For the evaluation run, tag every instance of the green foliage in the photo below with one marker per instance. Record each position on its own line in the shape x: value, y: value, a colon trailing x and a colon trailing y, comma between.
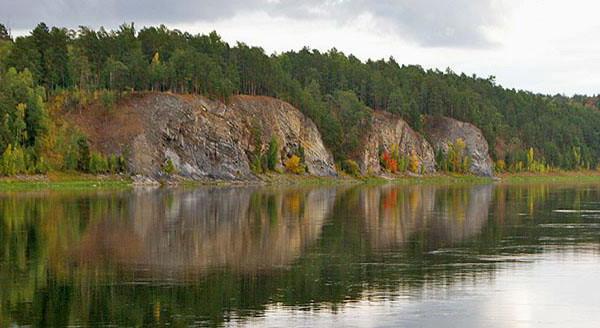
x: 454, y: 159
x: 169, y: 167
x: 13, y: 161
x: 4, y: 35
x: 351, y: 167
x: 98, y: 164
x: 83, y: 154
x: 273, y: 154
x: 108, y: 98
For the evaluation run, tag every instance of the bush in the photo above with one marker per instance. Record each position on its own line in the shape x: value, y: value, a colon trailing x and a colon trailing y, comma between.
x: 83, y: 154
x: 256, y: 165
x: 273, y: 154
x: 293, y: 165
x: 169, y: 167
x: 500, y: 166
x: 13, y: 161
x: 108, y: 98
x: 98, y: 164
x: 351, y: 167
x: 414, y: 162
x: 41, y: 167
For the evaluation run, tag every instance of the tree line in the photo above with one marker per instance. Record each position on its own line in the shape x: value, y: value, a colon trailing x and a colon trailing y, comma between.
x: 337, y: 91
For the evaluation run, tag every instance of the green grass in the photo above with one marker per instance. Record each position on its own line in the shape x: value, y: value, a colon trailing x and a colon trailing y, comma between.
x: 564, y: 177
x: 63, y: 181
x: 76, y: 181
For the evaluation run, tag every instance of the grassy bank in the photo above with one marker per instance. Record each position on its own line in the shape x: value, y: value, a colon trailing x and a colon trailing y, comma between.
x: 63, y: 181
x: 590, y: 176
x: 76, y: 181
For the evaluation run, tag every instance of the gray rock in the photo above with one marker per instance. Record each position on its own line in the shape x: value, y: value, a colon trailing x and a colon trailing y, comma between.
x: 443, y: 131
x: 387, y: 131
x: 204, y: 139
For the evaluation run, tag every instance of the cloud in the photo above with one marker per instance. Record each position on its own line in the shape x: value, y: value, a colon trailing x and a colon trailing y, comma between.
x: 431, y: 23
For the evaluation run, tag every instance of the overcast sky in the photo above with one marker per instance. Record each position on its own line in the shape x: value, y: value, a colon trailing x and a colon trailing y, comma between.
x: 547, y: 46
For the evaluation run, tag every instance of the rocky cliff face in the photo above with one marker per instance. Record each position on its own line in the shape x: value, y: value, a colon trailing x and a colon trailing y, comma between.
x: 275, y: 118
x: 204, y: 139
x: 388, y: 131
x: 443, y: 131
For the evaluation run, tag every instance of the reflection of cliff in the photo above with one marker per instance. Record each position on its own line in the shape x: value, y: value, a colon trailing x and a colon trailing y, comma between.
x: 243, y: 229
x: 395, y: 214
x: 462, y: 214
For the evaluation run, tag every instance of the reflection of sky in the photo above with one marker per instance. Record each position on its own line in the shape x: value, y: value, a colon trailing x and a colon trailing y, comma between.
x: 555, y: 290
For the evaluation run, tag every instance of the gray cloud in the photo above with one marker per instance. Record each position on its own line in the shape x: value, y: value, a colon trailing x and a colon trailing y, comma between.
x: 457, y: 23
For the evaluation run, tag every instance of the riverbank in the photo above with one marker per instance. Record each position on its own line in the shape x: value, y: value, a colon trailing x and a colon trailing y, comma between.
x: 76, y: 181
x: 63, y: 181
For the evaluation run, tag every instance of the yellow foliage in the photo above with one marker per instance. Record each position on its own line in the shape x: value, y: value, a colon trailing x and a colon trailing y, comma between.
x: 293, y: 165
x: 500, y: 165
x: 156, y: 58
x: 414, y: 162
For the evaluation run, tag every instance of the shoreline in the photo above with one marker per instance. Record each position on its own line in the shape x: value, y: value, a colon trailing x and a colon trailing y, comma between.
x: 77, y: 181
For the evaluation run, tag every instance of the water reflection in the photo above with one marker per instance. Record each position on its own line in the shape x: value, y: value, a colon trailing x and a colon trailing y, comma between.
x: 217, y: 255
x: 242, y: 229
x: 446, y: 214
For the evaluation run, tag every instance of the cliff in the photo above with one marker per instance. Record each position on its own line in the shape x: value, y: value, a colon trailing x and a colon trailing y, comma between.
x: 204, y: 139
x: 389, y: 131
x: 443, y: 131
x: 275, y: 118
x: 207, y: 139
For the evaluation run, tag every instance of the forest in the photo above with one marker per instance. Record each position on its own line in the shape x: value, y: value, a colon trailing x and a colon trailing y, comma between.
x: 54, y: 68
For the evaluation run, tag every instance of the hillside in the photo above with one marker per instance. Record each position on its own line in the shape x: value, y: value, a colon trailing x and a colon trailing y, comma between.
x: 337, y: 92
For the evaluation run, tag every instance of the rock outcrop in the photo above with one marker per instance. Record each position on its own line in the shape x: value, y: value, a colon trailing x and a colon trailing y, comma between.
x: 275, y: 118
x: 389, y: 131
x: 204, y: 139
x: 443, y: 131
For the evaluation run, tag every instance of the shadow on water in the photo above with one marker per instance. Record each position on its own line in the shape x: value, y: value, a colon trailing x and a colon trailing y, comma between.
x: 213, y: 255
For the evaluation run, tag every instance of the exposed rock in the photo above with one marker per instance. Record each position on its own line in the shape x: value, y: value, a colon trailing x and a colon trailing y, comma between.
x: 387, y: 131
x: 204, y: 139
x: 443, y: 131
x: 275, y: 118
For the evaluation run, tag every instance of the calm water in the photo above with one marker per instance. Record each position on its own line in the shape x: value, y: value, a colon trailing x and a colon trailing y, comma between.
x: 426, y: 256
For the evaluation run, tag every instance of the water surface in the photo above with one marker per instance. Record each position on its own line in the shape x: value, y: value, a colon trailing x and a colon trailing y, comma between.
x: 381, y: 256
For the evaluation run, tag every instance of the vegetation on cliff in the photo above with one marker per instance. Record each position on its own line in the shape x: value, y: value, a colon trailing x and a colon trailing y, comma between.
x: 336, y: 91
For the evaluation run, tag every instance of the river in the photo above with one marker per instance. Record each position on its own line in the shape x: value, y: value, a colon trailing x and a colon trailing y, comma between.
x: 521, y: 255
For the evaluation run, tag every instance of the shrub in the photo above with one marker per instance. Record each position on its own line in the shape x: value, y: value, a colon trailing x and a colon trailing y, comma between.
x: 351, y: 167
x: 13, y: 161
x: 272, y: 154
x: 113, y: 164
x: 414, y: 162
x: 403, y: 164
x: 41, y: 167
x: 256, y: 164
x: 169, y: 167
x: 108, y: 98
x: 83, y: 152
x: 98, y: 164
x: 293, y: 165
x: 500, y: 166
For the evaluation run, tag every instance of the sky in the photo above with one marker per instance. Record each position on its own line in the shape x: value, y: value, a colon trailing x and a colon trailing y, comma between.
x: 544, y: 46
